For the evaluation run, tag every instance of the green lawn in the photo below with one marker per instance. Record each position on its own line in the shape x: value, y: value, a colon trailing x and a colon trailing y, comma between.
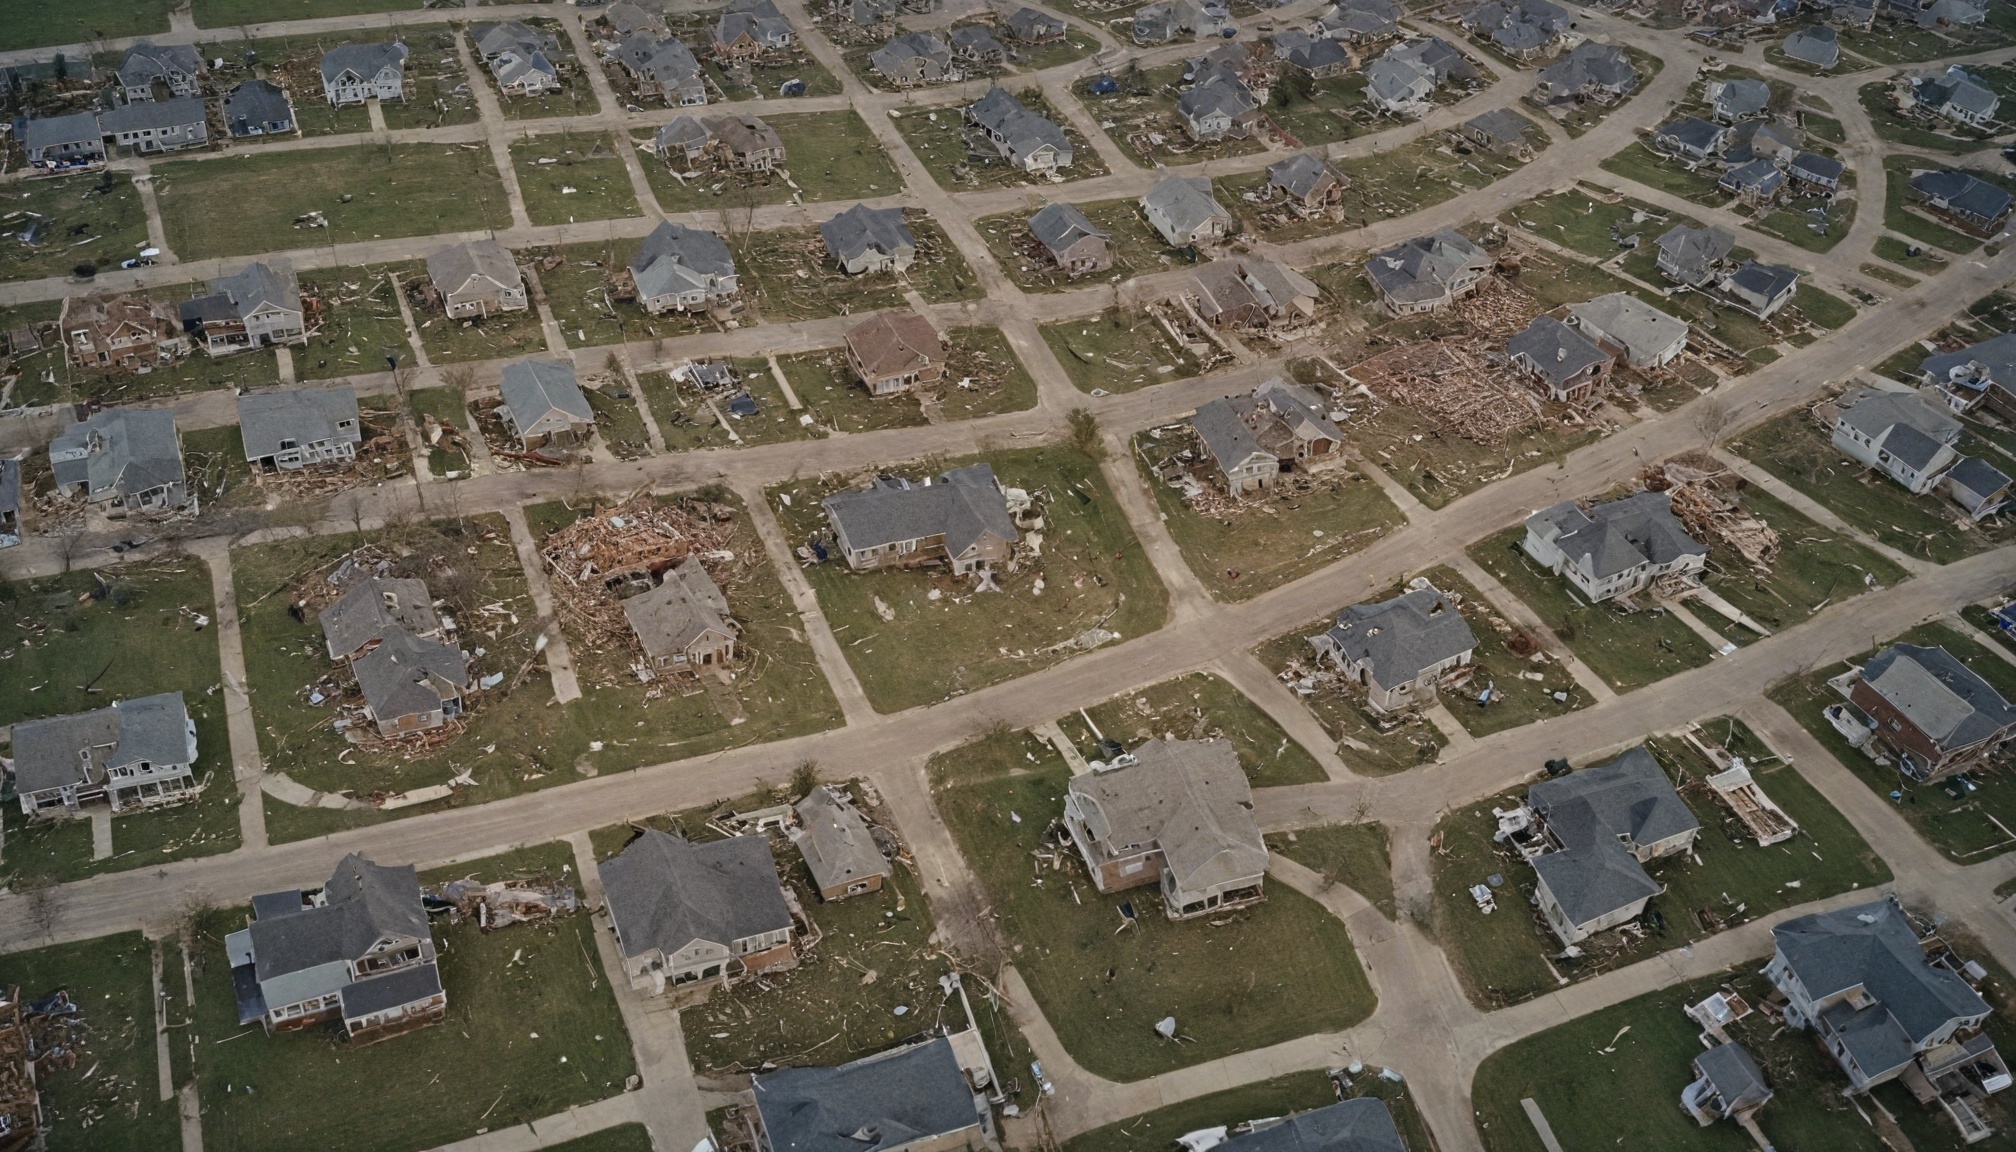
x: 618, y: 422
x: 365, y: 192
x: 96, y: 220
x: 1964, y: 826
x: 1415, y: 176
x: 437, y: 87
x: 1199, y: 706
x: 837, y: 401
x: 1281, y: 1096
x: 1134, y: 119
x: 1889, y: 275
x: 1792, y: 222
x: 361, y: 323
x: 532, y: 1029
x: 223, y: 13
x: 827, y: 156
x: 1136, y: 248
x: 1101, y: 990
x: 631, y: 1137
x: 935, y: 135
x: 689, y: 422
x: 1240, y: 548
x: 1928, y: 261
x: 1371, y: 745
x: 1590, y: 226
x: 787, y: 275
x: 41, y: 25
x: 1654, y: 170
x: 1927, y: 132
x: 946, y: 640
x: 109, y: 1101
x: 1815, y: 567
x: 1899, y: 217
x: 60, y: 639
x: 585, y: 179
x: 1117, y: 352
x: 1794, y: 448
x: 448, y: 406
x: 1500, y: 957
x: 1357, y: 856
x: 29, y: 389
x: 1522, y: 686
x: 500, y: 336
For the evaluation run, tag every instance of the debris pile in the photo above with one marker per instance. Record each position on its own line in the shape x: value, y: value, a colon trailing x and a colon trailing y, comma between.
x: 1703, y: 493
x: 1451, y: 387
x: 502, y: 903
x: 619, y: 551
x: 37, y: 1040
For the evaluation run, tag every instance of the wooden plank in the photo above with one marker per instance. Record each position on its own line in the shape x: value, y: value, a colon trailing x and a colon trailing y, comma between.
x: 1540, y: 1125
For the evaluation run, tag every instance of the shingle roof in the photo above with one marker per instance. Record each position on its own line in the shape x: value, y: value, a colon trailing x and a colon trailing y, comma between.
x: 1639, y: 327
x: 892, y: 1099
x: 371, y: 608
x: 1422, y: 268
x: 366, y: 60
x: 1302, y: 174
x: 1191, y: 798
x: 1057, y: 226
x: 1557, y: 352
x: 394, y: 676
x: 684, y: 607
x: 1995, y: 357
x: 454, y: 266
x: 254, y: 286
x: 963, y: 505
x: 1874, y: 946
x: 1820, y: 47
x: 48, y: 131
x: 179, y: 112
x: 1973, y: 481
x: 1594, y: 873
x: 1363, y: 1124
x: 51, y: 752
x: 1694, y: 249
x: 1402, y: 637
x: 860, y: 229
x: 1398, y: 81
x: 1814, y: 166
x: 1924, y: 423
x: 1604, y: 65
x: 835, y: 840
x: 1733, y: 1075
x: 895, y: 343
x: 1225, y: 436
x: 303, y: 415
x: 1501, y: 124
x: 1618, y: 535
x: 259, y: 102
x: 146, y: 62
x: 675, y: 259
x: 1759, y: 175
x: 1184, y: 203
x: 1963, y: 193
x: 1741, y: 97
x: 137, y: 450
x: 398, y: 987
x: 363, y: 903
x: 532, y: 388
x: 1947, y: 700
x: 665, y: 892
x: 1691, y: 132
x: 1028, y: 23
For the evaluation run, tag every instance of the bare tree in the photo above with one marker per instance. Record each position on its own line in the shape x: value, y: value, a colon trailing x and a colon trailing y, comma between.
x: 69, y: 542
x: 44, y: 900
x: 804, y: 778
x: 1712, y: 419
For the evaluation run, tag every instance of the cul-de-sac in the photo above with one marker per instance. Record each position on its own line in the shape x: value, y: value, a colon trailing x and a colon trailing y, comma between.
x: 1007, y: 575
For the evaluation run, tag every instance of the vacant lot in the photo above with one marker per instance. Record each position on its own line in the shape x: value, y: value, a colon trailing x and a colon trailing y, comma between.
x: 361, y: 326
x: 689, y: 419
x: 566, y: 178
x: 29, y: 389
x: 532, y: 1029
x: 448, y: 405
x: 1967, y: 825
x: 939, y: 638
x: 1102, y: 990
x: 1371, y: 744
x: 1357, y: 856
x: 80, y: 22
x: 937, y: 137
x: 787, y: 274
x: 1501, y: 957
x: 223, y: 13
x: 838, y: 402
x: 138, y: 638
x: 95, y: 220
x: 1593, y: 227
x: 827, y: 156
x: 365, y: 193
x: 1117, y: 352
x: 1815, y: 567
x: 1794, y: 448
x: 1199, y: 706
x: 1280, y: 1096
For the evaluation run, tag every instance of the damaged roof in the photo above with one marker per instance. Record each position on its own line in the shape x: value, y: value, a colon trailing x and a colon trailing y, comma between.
x: 665, y: 892
x: 1190, y: 798
x: 1401, y: 638
x: 1591, y: 813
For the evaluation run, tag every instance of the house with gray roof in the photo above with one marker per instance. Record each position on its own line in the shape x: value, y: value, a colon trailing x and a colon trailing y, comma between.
x: 959, y: 518
x: 1254, y: 438
x: 1758, y: 288
x: 1322, y: 59
x: 520, y: 57
x: 372, y: 609
x: 1727, y: 1085
x: 749, y: 33
x: 134, y: 754
x: 1978, y: 487
x: 1763, y: 140
x: 288, y: 429
x: 1643, y: 335
x: 686, y: 912
x: 1399, y: 86
x: 683, y: 624
x: 1361, y: 1124
x: 1560, y: 361
x: 1981, y: 374
x: 1306, y: 181
x: 1863, y: 980
x: 682, y: 269
x: 1975, y: 205
x: 1615, y: 548
x: 477, y: 278
x: 256, y: 307
x: 1027, y: 140
x: 1437, y: 55
x: 1903, y: 435
x: 123, y: 460
x: 258, y: 108
x: 838, y: 845
x: 864, y: 239
x: 1933, y: 713
x: 358, y: 73
x: 1757, y: 182
x: 1604, y: 824
x: 1243, y: 464
x: 67, y: 143
x: 912, y: 1098
x: 1398, y: 650
x: 10, y: 502
x: 1175, y: 813
x: 682, y: 137
x: 411, y: 684
x: 1815, y: 171
x: 1738, y: 99
x: 1428, y: 273
x: 359, y: 950
x: 892, y: 352
x: 178, y: 68
x: 1691, y: 138
x: 543, y: 405
x: 1155, y: 24
x: 153, y: 126
x: 663, y: 67
x: 1031, y: 26
x: 1183, y: 210
x: 1590, y: 73
x: 1500, y: 130
x: 1818, y: 46
x: 1523, y: 29
x: 1693, y: 256
x: 913, y: 58
x: 1073, y: 243
x: 1251, y: 292
x: 626, y: 17
x: 1218, y: 107
x: 976, y: 44
x: 1958, y: 95
x: 1360, y: 21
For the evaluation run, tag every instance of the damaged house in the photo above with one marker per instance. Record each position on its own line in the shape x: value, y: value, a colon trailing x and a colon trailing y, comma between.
x: 1184, y: 212
x: 913, y: 58
x: 1694, y: 256
x: 1900, y: 434
x: 122, y: 460
x: 1399, y: 86
x: 134, y: 754
x: 1307, y: 182
x: 663, y: 67
x: 912, y: 1098
x: 1251, y: 293
x: 177, y: 68
x: 961, y: 519
x: 1398, y: 650
x: 411, y: 684
x: 290, y: 428
x: 359, y: 950
x: 681, y: 269
x: 838, y: 845
x: 257, y: 307
x: 1640, y: 334
x: 1178, y: 814
x: 1981, y: 375
x: 1255, y: 438
x: 685, y: 912
x: 1073, y: 243
x: 1028, y: 141
x: 1219, y: 107
x: 1522, y: 29
x: 1428, y: 273
x: 475, y: 279
x: 1590, y: 73
x: 1566, y: 366
x: 1501, y: 131
x: 1360, y: 1124
x: 1757, y: 288
x: 1603, y: 824
x: 1937, y: 716
x: 864, y: 239
x: 520, y: 57
x: 543, y: 405
x: 119, y: 333
x: 372, y: 609
x: 1616, y: 548
x: 1727, y: 1083
x: 683, y: 623
x: 894, y: 352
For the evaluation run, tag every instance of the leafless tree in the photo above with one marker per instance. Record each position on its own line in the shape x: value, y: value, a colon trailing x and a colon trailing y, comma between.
x: 1712, y: 419
x: 69, y: 542
x: 44, y: 900
x: 804, y: 777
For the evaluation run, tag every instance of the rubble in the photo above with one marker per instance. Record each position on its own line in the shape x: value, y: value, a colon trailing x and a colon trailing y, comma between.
x: 1447, y: 384
x: 502, y: 903
x: 1703, y: 493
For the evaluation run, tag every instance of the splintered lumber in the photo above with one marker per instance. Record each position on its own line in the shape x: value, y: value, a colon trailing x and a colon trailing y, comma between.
x: 1446, y: 384
x: 616, y: 552
x: 1759, y: 813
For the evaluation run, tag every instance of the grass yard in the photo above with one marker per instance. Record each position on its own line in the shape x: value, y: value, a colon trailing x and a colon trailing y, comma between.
x: 532, y: 1029
x: 43, y: 25
x: 108, y: 1102
x: 1628, y: 650
x: 1984, y: 620
x: 223, y: 13
x: 197, y: 372
x: 618, y: 422
x: 96, y: 220
x: 1242, y: 547
x: 689, y: 422
x: 1899, y: 217
x: 1963, y: 826
x: 566, y: 178
x: 1794, y: 448
x: 448, y: 405
x: 61, y: 638
x: 1199, y: 706
x: 824, y: 383
x: 1280, y: 1096
x: 1370, y: 746
x: 1088, y: 979
x: 1522, y: 686
x: 1145, y: 107
x: 837, y: 401
x: 1591, y: 226
x: 1415, y: 176
x: 945, y: 640
x: 577, y: 292
x: 631, y: 1137
x: 576, y: 96
x: 1928, y: 132
x: 362, y: 323
x: 365, y: 192
x: 936, y: 135
x: 29, y: 389
x: 1322, y: 111
x: 1501, y: 958
x: 1137, y: 249
x: 437, y: 86
x: 1439, y: 467
x: 1117, y: 352
x: 1638, y: 162
x: 1794, y: 217
x: 1889, y: 275
x: 501, y: 336
x: 787, y: 275
x: 827, y: 156
x: 1358, y: 856
x: 1076, y: 45
x: 1927, y: 262
x: 1815, y: 567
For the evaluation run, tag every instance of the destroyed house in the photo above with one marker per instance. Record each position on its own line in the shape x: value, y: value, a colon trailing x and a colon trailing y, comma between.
x: 681, y: 269
x: 1727, y: 1083
x: 1307, y: 181
x: 745, y: 143
x: 291, y: 428
x: 1902, y: 434
x: 1692, y: 256
x: 477, y: 278
x: 684, y: 912
x: 122, y: 333
x: 1361, y: 1124
x: 663, y: 67
x: 258, y: 108
x: 1252, y: 293
x: 1254, y: 438
x: 134, y: 754
x: 1883, y: 1008
x: 864, y: 239
x: 961, y: 518
x: 1030, y: 26
x: 543, y: 405
x: 1177, y: 814
x: 1604, y: 824
x: 683, y: 623
x: 976, y: 43
x: 411, y: 684
x: 912, y: 1098
x: 893, y: 352
x: 1030, y: 142
x: 748, y: 34
x: 1398, y: 649
x: 370, y: 610
x: 1644, y: 336
x: 1563, y: 363
x: 1615, y: 548
x: 838, y: 846
x: 359, y: 950
x: 1427, y: 273
x: 1932, y: 712
x: 123, y: 459
x: 178, y: 68
x: 1074, y: 244
x: 257, y: 307
x: 1184, y: 212
x: 359, y: 73
x: 1976, y: 205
